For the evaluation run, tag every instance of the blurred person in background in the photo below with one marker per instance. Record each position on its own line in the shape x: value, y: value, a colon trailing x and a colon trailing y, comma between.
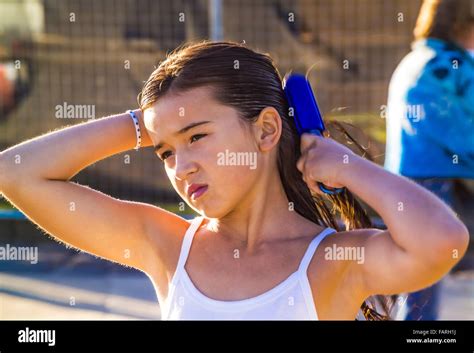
x: 430, y: 114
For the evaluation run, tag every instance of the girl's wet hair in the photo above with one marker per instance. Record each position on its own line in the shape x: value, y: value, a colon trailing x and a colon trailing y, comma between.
x: 249, y: 81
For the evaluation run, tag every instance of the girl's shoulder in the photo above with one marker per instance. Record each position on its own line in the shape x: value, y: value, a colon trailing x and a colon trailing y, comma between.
x: 337, y: 250
x: 332, y: 277
x: 351, y: 237
x: 166, y: 231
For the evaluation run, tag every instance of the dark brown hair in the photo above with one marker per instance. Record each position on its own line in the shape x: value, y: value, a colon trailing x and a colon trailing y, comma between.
x: 249, y: 81
x: 444, y: 19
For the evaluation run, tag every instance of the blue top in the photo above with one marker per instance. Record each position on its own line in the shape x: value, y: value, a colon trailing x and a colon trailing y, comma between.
x: 430, y: 113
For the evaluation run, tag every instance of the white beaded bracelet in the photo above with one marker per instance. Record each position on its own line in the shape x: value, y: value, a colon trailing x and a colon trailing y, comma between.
x: 137, y: 128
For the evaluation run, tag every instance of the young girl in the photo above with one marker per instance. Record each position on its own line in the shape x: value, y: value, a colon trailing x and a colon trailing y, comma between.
x: 266, y: 244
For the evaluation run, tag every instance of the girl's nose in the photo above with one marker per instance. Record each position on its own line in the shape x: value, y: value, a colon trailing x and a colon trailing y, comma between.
x: 183, y: 167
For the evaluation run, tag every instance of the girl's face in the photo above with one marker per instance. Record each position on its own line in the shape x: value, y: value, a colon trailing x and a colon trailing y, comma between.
x: 201, y: 141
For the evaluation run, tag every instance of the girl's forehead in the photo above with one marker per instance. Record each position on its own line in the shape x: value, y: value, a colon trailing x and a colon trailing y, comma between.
x: 192, y: 98
x: 178, y: 110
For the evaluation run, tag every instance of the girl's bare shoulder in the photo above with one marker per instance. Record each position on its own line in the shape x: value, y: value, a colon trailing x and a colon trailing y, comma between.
x: 166, y: 231
x: 353, y: 237
x: 331, y: 276
x: 338, y: 250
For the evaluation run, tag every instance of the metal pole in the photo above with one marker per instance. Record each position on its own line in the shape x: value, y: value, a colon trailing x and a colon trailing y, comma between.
x: 215, y: 20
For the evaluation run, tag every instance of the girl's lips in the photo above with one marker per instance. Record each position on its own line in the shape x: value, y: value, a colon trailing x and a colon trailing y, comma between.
x: 199, y: 192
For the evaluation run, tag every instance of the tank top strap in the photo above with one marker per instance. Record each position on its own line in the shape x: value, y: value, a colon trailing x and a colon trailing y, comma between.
x: 187, y: 241
x: 312, y: 249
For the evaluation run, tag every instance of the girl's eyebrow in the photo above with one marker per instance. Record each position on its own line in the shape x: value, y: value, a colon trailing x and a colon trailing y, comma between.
x: 182, y: 131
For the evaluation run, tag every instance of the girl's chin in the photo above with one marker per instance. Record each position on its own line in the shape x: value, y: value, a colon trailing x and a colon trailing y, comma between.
x: 209, y: 212
x: 207, y: 207
x: 200, y: 208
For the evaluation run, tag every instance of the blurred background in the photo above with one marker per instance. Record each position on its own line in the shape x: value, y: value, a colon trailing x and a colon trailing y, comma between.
x: 98, y: 53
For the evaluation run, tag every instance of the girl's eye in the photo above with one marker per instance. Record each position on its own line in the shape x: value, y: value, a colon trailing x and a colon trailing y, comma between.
x: 193, y: 138
x: 164, y: 155
x: 200, y: 136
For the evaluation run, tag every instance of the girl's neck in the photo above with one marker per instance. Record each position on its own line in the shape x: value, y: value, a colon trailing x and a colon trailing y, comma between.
x: 265, y: 215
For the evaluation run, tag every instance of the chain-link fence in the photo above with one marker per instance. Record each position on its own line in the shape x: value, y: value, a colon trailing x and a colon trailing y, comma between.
x: 92, y: 56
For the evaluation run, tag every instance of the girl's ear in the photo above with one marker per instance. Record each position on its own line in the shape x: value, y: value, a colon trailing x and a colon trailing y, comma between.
x: 268, y: 129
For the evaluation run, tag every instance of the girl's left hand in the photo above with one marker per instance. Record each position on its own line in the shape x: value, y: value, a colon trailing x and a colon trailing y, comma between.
x: 323, y: 160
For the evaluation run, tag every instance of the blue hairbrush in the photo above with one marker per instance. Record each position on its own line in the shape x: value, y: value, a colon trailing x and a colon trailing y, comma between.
x: 306, y: 113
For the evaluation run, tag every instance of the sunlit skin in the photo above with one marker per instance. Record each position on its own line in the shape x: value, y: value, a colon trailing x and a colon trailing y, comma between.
x: 248, y: 208
x: 249, y: 205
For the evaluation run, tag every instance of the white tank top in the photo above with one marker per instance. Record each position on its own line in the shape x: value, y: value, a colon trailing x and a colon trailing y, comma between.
x: 290, y: 300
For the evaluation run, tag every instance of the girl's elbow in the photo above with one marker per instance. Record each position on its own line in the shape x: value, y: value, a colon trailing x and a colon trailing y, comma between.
x: 3, y: 173
x: 7, y: 179
x: 464, y: 239
x: 460, y: 237
x: 453, y: 245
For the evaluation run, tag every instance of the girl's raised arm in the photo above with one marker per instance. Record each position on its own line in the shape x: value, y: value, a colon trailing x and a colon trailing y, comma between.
x: 35, y: 177
x: 61, y: 154
x: 424, y: 238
